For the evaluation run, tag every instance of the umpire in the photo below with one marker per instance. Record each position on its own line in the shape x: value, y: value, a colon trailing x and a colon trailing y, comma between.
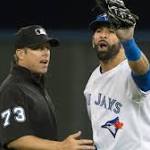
x: 27, y: 114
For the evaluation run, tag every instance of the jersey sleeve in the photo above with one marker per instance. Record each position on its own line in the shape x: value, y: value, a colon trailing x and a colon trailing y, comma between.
x: 14, y: 115
x: 136, y: 94
x: 87, y: 97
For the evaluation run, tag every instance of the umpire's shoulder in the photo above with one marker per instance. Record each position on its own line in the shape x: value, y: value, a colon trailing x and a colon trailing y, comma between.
x: 8, y: 82
x: 9, y: 86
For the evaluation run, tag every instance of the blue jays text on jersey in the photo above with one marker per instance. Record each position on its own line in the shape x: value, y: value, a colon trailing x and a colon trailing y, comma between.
x: 106, y: 102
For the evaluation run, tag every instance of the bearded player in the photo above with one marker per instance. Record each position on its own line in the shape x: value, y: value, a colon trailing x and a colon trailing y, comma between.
x: 117, y: 92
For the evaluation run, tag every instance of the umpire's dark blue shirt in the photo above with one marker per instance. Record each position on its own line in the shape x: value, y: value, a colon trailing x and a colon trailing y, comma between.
x: 25, y: 107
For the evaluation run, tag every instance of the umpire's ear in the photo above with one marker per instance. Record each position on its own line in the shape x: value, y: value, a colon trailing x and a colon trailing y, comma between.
x: 20, y: 54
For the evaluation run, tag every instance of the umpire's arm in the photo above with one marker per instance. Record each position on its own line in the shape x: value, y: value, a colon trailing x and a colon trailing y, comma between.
x: 72, y: 142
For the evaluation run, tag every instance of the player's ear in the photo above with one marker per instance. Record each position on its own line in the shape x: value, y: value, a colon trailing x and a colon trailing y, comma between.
x: 93, y: 44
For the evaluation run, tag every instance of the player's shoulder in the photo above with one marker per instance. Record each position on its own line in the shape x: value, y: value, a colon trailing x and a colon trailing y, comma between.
x: 122, y: 68
x: 124, y: 64
x: 95, y: 73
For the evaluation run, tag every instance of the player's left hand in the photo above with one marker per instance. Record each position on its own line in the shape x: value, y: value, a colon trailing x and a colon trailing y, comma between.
x: 125, y: 33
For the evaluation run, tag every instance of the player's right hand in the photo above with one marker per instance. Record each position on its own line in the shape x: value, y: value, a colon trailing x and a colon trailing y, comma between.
x: 73, y: 142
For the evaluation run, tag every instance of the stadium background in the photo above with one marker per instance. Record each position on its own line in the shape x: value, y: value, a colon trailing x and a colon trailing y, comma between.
x: 71, y: 63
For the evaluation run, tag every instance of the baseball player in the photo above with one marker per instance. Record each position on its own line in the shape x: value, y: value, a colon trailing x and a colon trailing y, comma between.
x: 27, y: 114
x: 117, y: 92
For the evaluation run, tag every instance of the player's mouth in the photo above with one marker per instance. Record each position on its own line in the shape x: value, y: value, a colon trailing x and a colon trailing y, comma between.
x: 102, y: 44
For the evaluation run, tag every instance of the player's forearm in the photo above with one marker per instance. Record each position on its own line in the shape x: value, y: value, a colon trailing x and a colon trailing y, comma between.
x: 34, y: 143
x: 140, y: 66
x: 137, y: 60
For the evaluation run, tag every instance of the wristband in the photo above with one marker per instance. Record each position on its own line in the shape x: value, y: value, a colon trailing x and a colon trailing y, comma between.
x: 132, y: 51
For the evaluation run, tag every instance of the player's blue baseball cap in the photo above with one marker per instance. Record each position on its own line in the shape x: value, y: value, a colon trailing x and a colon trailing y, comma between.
x: 33, y: 35
x: 101, y: 20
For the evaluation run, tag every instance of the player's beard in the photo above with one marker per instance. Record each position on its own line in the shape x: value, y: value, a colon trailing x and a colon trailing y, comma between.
x: 111, y: 52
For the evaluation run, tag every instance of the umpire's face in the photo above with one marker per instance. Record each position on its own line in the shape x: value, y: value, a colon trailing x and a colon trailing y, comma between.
x: 106, y: 42
x: 36, y: 59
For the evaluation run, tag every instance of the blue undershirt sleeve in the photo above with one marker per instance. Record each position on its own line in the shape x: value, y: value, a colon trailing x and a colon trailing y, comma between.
x: 142, y: 81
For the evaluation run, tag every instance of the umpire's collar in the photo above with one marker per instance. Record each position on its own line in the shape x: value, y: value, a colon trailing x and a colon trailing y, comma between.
x: 26, y: 74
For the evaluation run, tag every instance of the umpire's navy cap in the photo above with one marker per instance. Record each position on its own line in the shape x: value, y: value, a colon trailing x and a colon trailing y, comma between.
x: 33, y: 35
x: 101, y: 20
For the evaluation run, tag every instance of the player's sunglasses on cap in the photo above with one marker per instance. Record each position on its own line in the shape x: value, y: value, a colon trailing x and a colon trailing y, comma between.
x: 101, y: 20
x: 33, y: 36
